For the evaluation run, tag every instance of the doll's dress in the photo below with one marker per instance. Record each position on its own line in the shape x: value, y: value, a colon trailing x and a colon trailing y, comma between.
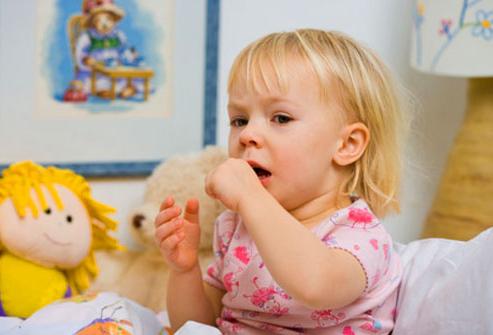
x: 26, y: 287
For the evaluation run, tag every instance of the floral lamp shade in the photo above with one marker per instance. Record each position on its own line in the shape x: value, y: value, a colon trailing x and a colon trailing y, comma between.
x: 453, y: 37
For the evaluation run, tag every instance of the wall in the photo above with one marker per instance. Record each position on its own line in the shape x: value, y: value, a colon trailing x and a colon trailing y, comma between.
x: 385, y: 26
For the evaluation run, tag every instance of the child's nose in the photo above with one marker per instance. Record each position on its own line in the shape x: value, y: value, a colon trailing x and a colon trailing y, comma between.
x: 251, y: 135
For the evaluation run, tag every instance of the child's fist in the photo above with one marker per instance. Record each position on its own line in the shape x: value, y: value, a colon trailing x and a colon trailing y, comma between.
x: 231, y: 181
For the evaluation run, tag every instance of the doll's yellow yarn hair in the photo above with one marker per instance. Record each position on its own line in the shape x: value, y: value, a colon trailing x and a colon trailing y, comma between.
x: 18, y: 181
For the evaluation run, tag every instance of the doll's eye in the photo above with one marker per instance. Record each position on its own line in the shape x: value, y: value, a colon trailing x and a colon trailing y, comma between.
x: 69, y: 218
x: 48, y: 211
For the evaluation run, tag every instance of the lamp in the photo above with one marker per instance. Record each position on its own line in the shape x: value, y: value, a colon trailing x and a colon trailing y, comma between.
x: 455, y: 38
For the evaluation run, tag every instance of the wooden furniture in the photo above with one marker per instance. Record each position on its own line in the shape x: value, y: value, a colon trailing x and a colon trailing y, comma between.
x: 74, y: 30
x: 118, y: 72
x: 462, y: 207
x: 461, y: 48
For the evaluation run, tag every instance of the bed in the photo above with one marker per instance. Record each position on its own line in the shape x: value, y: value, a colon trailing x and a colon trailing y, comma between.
x: 447, y: 288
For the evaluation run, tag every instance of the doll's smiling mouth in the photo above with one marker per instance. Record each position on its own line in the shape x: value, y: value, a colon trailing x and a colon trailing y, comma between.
x: 63, y: 244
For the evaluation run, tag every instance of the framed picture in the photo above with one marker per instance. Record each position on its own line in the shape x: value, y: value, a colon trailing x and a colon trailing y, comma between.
x: 107, y: 87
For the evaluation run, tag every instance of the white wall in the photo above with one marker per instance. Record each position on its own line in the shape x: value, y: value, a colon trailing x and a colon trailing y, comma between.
x: 385, y: 26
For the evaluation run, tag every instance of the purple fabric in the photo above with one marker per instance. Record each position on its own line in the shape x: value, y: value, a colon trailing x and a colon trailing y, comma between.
x: 68, y: 293
x: 2, y: 312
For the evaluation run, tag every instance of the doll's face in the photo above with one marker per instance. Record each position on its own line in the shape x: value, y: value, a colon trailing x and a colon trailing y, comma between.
x: 59, y: 238
x: 103, y: 22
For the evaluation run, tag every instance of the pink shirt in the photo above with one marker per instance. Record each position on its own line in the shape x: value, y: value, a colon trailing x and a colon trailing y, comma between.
x: 255, y: 304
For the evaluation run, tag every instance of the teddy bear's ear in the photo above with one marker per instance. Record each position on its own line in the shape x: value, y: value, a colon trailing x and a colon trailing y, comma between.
x: 212, y: 156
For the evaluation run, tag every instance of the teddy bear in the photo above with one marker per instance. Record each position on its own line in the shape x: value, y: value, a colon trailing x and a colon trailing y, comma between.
x: 102, y: 43
x: 141, y: 275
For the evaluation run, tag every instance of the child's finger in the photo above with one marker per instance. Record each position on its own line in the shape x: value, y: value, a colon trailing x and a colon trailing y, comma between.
x: 166, y: 215
x: 168, y: 202
x: 163, y: 231
x: 172, y: 241
x: 192, y: 211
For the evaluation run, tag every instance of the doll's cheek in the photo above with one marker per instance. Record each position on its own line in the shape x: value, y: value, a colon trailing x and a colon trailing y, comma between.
x: 16, y: 234
x: 73, y: 251
x: 71, y: 233
x: 8, y: 217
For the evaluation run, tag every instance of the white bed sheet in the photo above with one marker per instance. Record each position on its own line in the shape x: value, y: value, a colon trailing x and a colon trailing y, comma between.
x: 74, y: 316
x: 447, y: 287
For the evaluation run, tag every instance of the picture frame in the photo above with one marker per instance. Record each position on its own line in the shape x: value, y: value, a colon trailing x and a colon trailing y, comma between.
x: 96, y: 138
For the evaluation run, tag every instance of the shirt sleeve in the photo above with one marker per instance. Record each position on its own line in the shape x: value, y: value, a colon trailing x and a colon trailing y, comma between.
x: 224, y: 228
x: 371, y: 246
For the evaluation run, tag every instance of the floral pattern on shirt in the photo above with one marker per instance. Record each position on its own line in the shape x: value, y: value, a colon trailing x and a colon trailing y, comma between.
x: 255, y: 304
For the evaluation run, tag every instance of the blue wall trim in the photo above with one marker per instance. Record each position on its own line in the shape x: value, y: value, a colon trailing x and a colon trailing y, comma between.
x: 211, y: 72
x: 144, y: 168
x: 105, y: 169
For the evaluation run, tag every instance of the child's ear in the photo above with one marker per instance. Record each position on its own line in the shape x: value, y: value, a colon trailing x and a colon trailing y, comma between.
x: 353, y: 142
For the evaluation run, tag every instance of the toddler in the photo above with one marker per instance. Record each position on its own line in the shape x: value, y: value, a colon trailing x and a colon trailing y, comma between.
x: 314, y: 165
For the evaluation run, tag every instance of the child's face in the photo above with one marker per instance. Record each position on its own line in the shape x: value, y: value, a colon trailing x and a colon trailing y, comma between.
x: 292, y: 136
x: 56, y: 237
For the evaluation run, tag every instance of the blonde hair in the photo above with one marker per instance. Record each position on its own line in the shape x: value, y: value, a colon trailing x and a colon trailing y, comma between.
x: 18, y: 181
x: 366, y: 93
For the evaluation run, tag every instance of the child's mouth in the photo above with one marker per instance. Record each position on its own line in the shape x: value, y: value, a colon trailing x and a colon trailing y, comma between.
x: 261, y: 173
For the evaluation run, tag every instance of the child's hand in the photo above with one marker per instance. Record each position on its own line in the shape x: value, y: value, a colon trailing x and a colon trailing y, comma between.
x: 231, y: 181
x: 178, y: 238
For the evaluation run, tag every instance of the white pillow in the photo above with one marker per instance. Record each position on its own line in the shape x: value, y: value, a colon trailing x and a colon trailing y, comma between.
x: 447, y: 287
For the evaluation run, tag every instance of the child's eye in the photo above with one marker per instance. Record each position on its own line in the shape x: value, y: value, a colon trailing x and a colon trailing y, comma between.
x: 69, y: 218
x: 281, y: 118
x: 48, y: 211
x: 238, y: 122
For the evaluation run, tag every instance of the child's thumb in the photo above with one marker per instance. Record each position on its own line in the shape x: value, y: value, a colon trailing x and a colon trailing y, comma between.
x: 192, y: 211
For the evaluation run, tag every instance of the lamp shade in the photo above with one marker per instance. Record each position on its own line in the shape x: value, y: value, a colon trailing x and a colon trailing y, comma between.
x: 453, y: 37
